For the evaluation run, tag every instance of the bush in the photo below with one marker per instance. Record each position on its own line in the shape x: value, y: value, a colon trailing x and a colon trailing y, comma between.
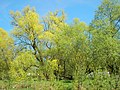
x: 101, y: 81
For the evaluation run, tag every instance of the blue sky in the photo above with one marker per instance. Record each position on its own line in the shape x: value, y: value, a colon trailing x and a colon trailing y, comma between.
x: 82, y: 9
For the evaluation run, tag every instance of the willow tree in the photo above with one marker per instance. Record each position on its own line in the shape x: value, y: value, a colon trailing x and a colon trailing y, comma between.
x: 105, y: 30
x: 70, y: 47
x: 6, y: 52
x: 37, y: 34
x: 107, y: 17
x: 27, y: 28
x: 33, y: 33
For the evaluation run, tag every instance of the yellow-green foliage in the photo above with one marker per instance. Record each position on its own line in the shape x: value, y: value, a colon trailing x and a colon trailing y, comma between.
x: 28, y: 22
x: 22, y: 65
x: 53, y: 64
x: 48, y: 48
x: 47, y: 71
x: 6, y: 52
x: 5, y: 40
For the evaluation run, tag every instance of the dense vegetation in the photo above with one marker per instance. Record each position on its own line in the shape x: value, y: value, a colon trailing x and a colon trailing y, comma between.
x: 46, y: 53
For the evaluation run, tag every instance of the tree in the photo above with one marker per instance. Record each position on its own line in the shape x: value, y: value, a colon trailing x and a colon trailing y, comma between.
x: 6, y: 53
x: 107, y: 17
x: 105, y: 44
x: 27, y: 28
x: 70, y: 48
x: 34, y: 34
x: 105, y: 29
x: 37, y: 35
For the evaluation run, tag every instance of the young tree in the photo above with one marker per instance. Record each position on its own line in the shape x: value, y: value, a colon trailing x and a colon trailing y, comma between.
x: 23, y: 66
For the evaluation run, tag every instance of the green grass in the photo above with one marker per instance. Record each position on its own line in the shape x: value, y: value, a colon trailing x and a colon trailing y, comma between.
x: 35, y: 85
